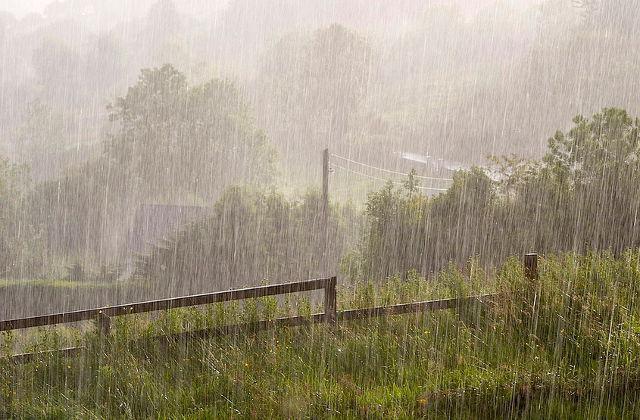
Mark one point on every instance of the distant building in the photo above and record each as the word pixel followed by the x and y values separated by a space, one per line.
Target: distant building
pixel 435 166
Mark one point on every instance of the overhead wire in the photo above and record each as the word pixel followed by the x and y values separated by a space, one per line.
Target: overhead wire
pixel 389 170
pixel 384 180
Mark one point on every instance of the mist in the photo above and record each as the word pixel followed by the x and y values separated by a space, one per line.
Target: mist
pixel 160 148
pixel 106 108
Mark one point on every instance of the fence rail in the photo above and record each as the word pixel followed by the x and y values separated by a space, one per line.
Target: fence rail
pixel 171 303
pixel 415 307
pixel 330 314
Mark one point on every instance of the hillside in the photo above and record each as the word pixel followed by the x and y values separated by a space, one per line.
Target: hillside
pixel 563 347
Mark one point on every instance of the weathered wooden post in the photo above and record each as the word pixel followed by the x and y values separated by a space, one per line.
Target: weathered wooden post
pixel 325 187
pixel 330 305
pixel 104 324
pixel 324 230
pixel 532 293
pixel 531 266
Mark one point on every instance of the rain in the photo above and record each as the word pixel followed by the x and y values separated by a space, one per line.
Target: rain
pixel 319 209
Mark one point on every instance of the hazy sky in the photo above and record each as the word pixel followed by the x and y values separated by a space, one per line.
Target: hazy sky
pixel 21 7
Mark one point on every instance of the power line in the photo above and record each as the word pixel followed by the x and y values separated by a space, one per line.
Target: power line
pixel 385 180
pixel 363 174
pixel 388 170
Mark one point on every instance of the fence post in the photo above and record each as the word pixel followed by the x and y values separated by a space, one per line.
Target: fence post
pixel 532 294
pixel 104 324
pixel 330 308
pixel 531 266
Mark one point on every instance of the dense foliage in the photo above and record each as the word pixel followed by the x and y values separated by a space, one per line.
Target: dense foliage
pixel 175 139
pixel 16 241
pixel 252 237
pixel 373 80
pixel 312 88
pixel 170 142
pixel 581 196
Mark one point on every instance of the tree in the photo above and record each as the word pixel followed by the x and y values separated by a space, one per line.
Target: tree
pixel 40 140
pixel 170 142
pixel 582 196
pixel 250 237
pixel 161 37
pixel 336 76
pixel 16 233
pixel 619 16
pixel 597 164
pixel 57 67
pixel 609 143
pixel 172 137
pixel 314 85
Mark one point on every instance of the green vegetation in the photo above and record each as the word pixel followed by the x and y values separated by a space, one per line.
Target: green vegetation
pixel 225 124
pixel 581 196
pixel 323 77
pixel 169 142
pixel 562 347
pixel 251 237
pixel 173 139
pixel 17 242
pixel 589 173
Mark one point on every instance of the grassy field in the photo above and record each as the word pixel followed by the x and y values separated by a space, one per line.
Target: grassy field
pixel 567 346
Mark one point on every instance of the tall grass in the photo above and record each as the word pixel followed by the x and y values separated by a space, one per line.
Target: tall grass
pixel 564 346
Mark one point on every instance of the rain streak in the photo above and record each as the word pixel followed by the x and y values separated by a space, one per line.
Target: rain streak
pixel 320 209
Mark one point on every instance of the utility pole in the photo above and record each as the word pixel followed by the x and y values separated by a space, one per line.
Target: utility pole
pixel 324 230
pixel 325 187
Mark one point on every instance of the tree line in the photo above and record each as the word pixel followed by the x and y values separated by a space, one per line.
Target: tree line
pixel 581 196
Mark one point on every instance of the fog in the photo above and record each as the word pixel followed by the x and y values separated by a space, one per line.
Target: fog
pixel 405 154
pixel 129 125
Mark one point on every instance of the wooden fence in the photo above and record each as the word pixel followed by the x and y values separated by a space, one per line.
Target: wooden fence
pixel 330 315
